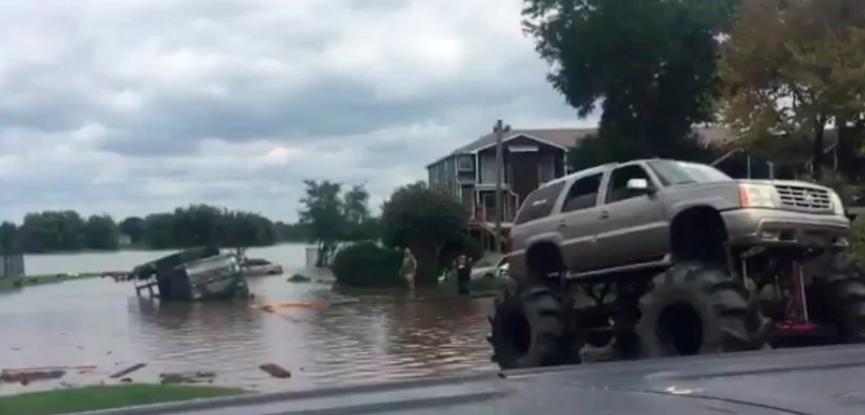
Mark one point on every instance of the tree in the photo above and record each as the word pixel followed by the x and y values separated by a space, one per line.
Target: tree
pixel 100 232
pixel 423 220
pixel 354 205
pixel 595 150
pixel 133 227
pixel 241 230
pixel 292 232
pixel 323 215
pixel 197 225
pixel 360 225
pixel 159 231
pixel 792 68
pixel 649 64
pixel 52 231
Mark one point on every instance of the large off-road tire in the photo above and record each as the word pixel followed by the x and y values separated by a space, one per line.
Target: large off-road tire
pixel 694 308
pixel 840 297
pixel 530 328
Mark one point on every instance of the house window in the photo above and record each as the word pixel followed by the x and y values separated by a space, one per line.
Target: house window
pixel 523 149
pixel 546 168
pixel 465 164
pixel 488 168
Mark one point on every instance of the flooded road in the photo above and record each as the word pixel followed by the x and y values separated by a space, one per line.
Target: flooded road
pixel 101 327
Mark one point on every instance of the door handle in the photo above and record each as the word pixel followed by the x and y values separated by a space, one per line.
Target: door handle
pixel 605 215
pixel 563 224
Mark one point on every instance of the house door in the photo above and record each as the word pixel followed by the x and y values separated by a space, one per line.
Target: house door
pixel 489 201
pixel 524 173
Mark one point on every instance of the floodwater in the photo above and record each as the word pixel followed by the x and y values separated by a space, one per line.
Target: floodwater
pixel 324 336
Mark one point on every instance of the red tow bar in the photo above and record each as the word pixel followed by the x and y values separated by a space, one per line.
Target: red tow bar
pixel 796 329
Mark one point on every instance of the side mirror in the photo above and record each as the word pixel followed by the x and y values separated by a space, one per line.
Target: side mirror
pixel 638 185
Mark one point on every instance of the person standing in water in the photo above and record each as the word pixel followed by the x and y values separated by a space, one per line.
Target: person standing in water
pixel 409 268
pixel 464 274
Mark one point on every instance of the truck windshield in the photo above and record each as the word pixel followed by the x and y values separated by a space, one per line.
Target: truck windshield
pixel 673 173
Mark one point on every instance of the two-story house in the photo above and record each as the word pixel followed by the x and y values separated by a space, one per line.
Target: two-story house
pixel 530 158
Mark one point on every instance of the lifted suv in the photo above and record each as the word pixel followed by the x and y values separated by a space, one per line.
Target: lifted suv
pixel 662 257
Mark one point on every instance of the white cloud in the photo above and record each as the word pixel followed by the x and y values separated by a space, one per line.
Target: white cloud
pixel 135 106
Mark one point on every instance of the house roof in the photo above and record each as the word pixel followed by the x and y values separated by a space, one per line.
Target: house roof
pixel 558 137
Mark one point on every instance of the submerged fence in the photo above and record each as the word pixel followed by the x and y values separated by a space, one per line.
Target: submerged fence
pixel 11 265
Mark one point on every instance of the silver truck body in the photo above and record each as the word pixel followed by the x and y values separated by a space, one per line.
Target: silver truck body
pixel 635 232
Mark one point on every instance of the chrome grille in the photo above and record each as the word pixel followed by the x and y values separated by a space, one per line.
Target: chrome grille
pixel 804 198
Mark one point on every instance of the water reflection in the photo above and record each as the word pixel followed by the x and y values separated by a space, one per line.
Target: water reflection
pixel 362 336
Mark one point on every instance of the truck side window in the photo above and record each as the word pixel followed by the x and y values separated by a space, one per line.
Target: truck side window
pixel 619 183
pixel 540 203
pixel 583 193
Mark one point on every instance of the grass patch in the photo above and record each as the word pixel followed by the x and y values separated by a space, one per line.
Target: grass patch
pixel 34 280
pixel 9 283
pixel 93 398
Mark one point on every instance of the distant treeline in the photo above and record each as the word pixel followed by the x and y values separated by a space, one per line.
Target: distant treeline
pixel 196 225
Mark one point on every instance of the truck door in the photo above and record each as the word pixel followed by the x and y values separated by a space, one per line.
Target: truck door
pixel 578 223
pixel 632 225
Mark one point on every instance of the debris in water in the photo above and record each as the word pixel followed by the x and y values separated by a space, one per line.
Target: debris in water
pixel 188 377
pixel 128 370
pixel 313 304
pixel 275 370
pixel 25 376
pixel 298 278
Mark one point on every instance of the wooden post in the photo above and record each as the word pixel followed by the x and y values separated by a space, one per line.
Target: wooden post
pixel 500 129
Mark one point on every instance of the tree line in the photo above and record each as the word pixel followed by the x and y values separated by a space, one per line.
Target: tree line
pixel 777 73
pixel 195 225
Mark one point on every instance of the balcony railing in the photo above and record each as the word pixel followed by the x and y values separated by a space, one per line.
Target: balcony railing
pixel 482 214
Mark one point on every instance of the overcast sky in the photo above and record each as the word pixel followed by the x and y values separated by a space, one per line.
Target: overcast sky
pixel 132 107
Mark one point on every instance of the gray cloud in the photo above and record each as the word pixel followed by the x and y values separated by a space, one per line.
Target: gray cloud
pixel 133 106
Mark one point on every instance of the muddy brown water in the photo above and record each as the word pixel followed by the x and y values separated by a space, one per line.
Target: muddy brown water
pixel 324 336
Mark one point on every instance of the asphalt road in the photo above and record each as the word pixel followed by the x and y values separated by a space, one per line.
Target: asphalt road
pixel 826 380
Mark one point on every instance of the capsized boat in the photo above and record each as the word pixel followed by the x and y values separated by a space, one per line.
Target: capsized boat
pixel 195 275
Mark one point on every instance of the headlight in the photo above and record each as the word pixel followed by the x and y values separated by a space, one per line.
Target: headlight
pixel 758 196
pixel 837 204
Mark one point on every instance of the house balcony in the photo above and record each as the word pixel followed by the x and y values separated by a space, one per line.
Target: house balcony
pixel 487 215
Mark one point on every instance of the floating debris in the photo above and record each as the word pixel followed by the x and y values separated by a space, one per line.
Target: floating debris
pixel 25 376
pixel 128 370
pixel 313 304
pixel 275 370
pixel 298 278
pixel 187 377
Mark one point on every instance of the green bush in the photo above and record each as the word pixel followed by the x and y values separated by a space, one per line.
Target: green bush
pixel 367 264
pixel 858 239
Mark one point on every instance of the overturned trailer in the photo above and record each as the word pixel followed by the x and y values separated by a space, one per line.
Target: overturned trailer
pixel 193 275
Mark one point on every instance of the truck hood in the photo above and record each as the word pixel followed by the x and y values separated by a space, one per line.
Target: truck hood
pixel 786 183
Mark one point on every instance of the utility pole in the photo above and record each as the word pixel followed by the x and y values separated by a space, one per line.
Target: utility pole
pixel 500 129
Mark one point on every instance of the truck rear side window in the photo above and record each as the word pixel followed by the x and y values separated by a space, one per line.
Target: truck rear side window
pixel 540 203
